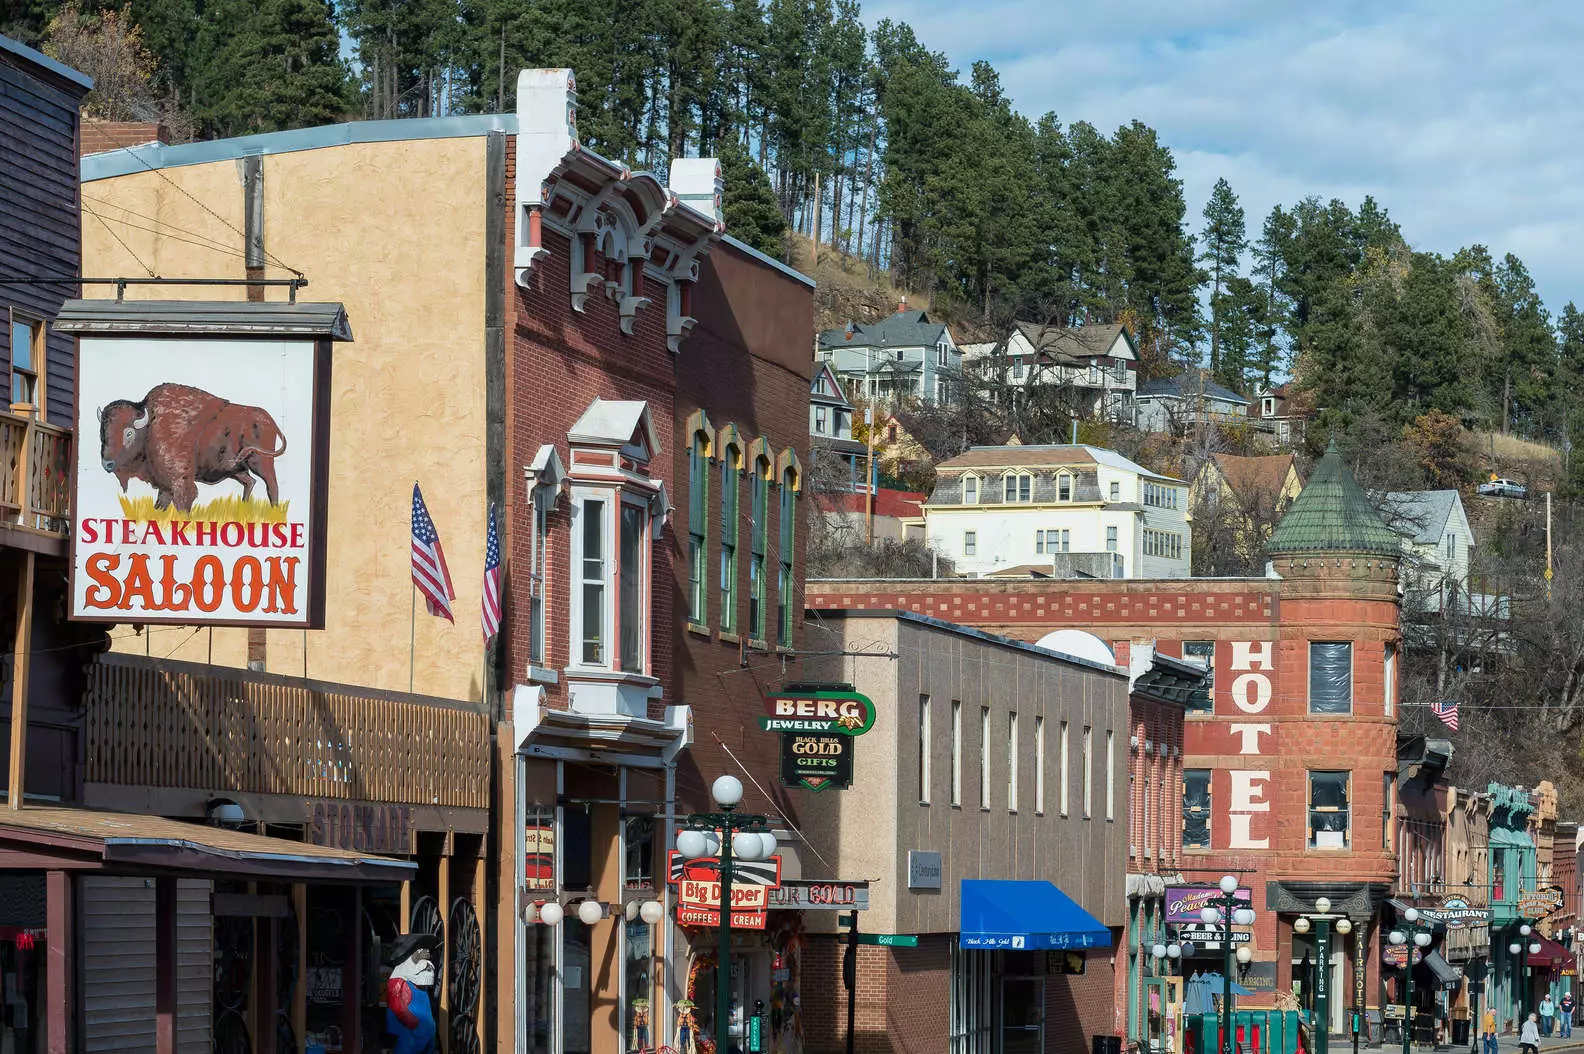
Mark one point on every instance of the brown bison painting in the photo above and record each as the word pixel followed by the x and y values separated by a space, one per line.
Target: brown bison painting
pixel 177 437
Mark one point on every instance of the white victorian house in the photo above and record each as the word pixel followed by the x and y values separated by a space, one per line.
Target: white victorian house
pixel 1437 545
pixel 902 357
pixel 831 425
pixel 1058 511
pixel 1096 365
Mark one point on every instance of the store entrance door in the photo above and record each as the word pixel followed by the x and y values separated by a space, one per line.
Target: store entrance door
pixel 1022 1016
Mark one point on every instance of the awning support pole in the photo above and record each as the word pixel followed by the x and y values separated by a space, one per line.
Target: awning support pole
pixel 22 643
pixel 165 965
pixel 59 941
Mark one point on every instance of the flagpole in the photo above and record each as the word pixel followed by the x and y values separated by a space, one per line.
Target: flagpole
pixel 412 637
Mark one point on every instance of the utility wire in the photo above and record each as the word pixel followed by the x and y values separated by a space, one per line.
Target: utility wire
pixel 164 227
pixel 121 243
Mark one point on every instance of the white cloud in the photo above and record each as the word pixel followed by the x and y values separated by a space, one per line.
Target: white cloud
pixel 1461 117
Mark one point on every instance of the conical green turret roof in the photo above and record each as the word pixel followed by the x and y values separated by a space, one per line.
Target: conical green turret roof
pixel 1332 514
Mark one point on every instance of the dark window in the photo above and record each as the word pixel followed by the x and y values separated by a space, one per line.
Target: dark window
pixel 1202 653
pixel 1331 677
pixel 577 870
pixel 1196 808
pixel 634 533
pixel 1328 810
pixel 639 836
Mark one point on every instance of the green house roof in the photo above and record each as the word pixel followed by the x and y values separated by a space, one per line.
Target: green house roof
pixel 1332 514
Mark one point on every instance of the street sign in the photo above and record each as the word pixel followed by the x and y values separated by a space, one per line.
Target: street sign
pixel 888 940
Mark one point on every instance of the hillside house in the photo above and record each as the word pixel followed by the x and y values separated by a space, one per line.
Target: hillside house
pixel 1096 366
pixel 831 426
pixel 1173 404
pixel 1438 543
pixel 1276 412
pixel 906 356
pixel 1063 511
pixel 1236 501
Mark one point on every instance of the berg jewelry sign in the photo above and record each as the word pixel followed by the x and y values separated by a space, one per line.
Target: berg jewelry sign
pixel 818 725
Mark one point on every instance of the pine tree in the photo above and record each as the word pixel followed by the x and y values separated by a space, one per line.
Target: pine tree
pixel 1224 239
pixel 279 67
pixel 752 214
pixel 1270 255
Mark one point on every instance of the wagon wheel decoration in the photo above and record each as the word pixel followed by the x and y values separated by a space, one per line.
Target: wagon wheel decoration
pixel 230 1034
pixel 233 954
pixel 464 1034
pixel 425 918
pixel 464 954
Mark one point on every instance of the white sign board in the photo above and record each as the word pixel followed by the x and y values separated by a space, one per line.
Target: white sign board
pixel 199 483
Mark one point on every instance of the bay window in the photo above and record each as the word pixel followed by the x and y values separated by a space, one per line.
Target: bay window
pixel 634 570
pixel 593 563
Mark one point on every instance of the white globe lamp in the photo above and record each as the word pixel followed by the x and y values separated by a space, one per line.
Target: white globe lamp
pixel 1173 951
pixel 551 913
pixel 1397 937
pixel 712 843
pixel 727 790
pixel 747 846
pixel 1228 884
pixel 1422 940
pixel 651 911
pixel 1323 905
pixel 1515 947
pixel 1534 949
pixel 1411 915
pixel 1159 951
pixel 692 844
pixel 1525 930
pixel 1244 955
pixel 590 911
pixel 1243 916
pixel 1300 925
pixel 1344 927
pixel 1209 915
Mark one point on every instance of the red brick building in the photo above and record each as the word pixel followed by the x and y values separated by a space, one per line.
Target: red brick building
pixel 1290 766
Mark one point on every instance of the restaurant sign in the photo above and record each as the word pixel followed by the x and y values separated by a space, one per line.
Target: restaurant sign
pixel 1455 913
pixel 1183 903
pixel 821 896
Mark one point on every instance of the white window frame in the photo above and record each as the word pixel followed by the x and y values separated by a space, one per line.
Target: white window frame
pixel 612 498
pixel 984 758
pixel 970 543
pixel 1012 488
pixel 1064 793
pixel 1113 538
pixel 1088 772
pixel 924 739
pixel 1012 761
pixel 1116 490
pixel 1110 791
pixel 956 753
pixel 970 482
pixel 1071 484
pixel 1390 663
pixel 820 416
pixel 538 586
pixel 1039 765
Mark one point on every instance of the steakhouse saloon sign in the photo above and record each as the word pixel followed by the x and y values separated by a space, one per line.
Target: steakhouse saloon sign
pixel 199 486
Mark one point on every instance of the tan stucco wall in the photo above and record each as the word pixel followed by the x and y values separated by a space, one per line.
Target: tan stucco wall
pixel 395 231
pixel 866 832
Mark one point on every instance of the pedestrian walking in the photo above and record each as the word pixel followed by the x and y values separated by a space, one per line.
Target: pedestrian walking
pixel 1488 1032
pixel 1565 1013
pixel 1529 1038
pixel 1547 1016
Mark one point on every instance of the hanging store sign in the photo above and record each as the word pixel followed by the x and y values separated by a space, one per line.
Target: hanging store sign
pixel 821 896
pixel 1396 955
pixel 200 481
pixel 699 890
pixel 1183 903
pixel 1538 903
pixel 1455 913
pixel 828 709
pixel 816 762
pixel 1207 936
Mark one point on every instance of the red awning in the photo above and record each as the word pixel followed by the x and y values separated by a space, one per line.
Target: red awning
pixel 1551 955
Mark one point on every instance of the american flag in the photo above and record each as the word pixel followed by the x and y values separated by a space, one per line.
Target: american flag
pixel 1446 710
pixel 492 580
pixel 429 572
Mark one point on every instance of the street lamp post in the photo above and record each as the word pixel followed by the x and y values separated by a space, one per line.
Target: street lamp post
pixel 699 841
pixel 1228 908
pixel 1523 947
pixel 1410 935
pixel 1322 921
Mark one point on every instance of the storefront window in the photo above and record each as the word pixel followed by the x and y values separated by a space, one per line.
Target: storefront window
pixel 576 851
pixel 538 983
pixel 640 1029
pixel 970 1022
pixel 576 988
pixel 638 839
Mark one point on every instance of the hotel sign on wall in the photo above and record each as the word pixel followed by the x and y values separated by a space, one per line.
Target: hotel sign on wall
pixel 200 481
pixel 818 725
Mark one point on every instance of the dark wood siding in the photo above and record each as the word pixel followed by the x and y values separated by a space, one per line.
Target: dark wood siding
pixel 40 230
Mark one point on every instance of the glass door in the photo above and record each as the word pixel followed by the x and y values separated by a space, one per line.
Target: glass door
pixel 1022 1015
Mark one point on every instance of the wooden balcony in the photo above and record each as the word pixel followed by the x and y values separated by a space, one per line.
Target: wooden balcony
pixel 35 483
pixel 163 724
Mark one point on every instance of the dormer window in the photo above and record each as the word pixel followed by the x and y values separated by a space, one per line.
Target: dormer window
pixel 1064 486
pixel 1270 407
pixel 1016 487
pixel 970 490
pixel 1094 372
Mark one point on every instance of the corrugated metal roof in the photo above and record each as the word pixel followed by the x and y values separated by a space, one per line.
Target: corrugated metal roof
pixel 1332 514
pixel 153 841
pixel 204 318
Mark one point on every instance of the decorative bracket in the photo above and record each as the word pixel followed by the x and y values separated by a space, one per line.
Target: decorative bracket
pixel 630 306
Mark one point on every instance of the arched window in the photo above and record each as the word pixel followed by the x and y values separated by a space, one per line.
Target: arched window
pixel 731 470
pixel 698 517
pixel 790 484
pixel 759 513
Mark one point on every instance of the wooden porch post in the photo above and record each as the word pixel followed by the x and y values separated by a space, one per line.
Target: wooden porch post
pixel 59 950
pixel 443 887
pixel 19 676
pixel 299 1007
pixel 165 965
pixel 477 863
pixel 352 978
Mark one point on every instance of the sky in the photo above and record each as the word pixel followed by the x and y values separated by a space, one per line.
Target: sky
pixel 1464 119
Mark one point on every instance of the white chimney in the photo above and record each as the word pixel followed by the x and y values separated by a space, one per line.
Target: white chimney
pixel 546 126
pixel 696 181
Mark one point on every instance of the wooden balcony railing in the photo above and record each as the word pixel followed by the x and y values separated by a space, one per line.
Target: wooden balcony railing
pixel 35 475
pixel 157 723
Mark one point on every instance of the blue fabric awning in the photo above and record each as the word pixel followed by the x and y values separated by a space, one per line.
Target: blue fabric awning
pixel 998 913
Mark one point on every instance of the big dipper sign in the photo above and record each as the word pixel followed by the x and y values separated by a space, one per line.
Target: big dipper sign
pixel 201 461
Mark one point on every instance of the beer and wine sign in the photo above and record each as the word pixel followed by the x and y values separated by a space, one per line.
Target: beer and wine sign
pixel 200 481
pixel 819 725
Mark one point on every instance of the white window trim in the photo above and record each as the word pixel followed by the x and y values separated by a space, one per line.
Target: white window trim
pixel 974 479
pixel 613 498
